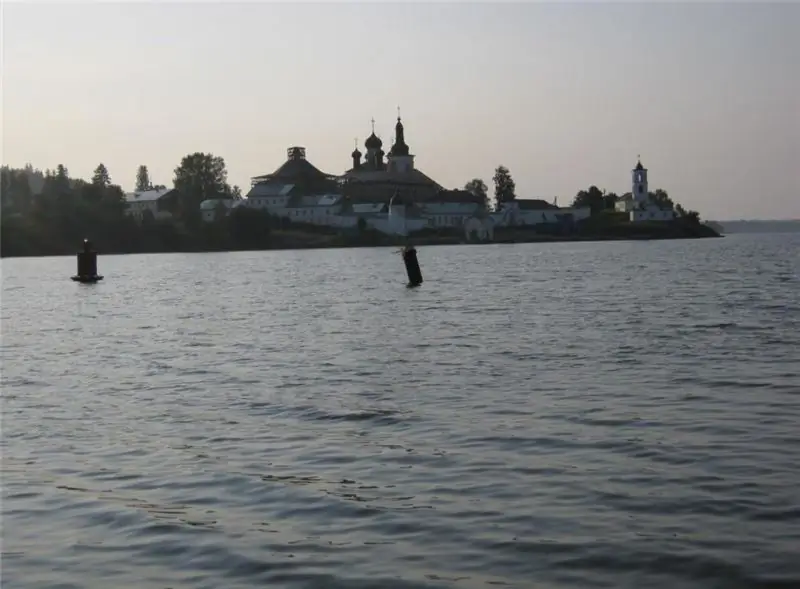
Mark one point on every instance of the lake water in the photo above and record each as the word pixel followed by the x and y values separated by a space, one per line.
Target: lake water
pixel 621 414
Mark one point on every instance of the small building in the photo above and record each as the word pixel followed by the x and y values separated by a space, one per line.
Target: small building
pixel 212 208
pixel 522 212
pixel 297 190
pixel 452 208
pixel 638 205
pixel 158 201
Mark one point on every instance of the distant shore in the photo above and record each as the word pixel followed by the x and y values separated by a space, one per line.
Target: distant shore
pixel 305 239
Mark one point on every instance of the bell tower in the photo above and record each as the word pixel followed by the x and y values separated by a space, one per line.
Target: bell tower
pixel 400 158
pixel 639 182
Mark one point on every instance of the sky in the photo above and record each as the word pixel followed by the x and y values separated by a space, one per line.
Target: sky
pixel 565 95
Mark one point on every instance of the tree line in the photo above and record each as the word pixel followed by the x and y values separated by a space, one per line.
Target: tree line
pixel 593 198
pixel 50 212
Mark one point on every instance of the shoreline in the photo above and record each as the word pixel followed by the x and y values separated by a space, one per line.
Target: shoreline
pixel 425 241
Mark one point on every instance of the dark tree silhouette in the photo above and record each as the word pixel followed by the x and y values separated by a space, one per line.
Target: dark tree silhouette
pixel 199 177
pixel 504 186
pixel 143 179
pixel 100 176
pixel 594 198
pixel 478 187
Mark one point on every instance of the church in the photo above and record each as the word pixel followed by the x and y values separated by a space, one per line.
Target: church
pixel 639 206
pixel 380 188
pixel 370 177
pixel 387 192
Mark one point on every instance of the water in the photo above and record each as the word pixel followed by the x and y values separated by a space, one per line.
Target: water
pixel 563 415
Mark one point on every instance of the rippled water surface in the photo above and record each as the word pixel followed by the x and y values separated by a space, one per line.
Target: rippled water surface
pixel 561 415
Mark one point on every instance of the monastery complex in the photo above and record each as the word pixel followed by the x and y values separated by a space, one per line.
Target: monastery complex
pixel 388 193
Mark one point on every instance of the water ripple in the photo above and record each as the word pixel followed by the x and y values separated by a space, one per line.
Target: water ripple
pixel 540 415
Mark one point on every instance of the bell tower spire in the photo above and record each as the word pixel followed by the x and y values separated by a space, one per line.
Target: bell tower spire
pixel 399 147
pixel 400 158
pixel 639 181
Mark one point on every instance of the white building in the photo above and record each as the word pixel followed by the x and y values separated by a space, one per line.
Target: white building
pixel 522 212
pixel 154 201
pixel 639 206
pixel 212 207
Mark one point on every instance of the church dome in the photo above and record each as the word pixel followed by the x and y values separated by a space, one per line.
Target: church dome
pixel 355 153
pixel 639 165
pixel 373 142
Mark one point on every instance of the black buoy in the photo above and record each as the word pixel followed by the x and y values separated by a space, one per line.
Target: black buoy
pixel 87 264
pixel 412 266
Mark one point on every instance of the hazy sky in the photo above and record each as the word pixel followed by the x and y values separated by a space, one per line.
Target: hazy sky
pixel 563 94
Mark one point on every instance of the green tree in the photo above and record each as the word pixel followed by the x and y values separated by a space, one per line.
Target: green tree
pixel 16 194
pixel 143 179
pixel 478 187
pixel 504 186
pixel 63 213
pixel 199 177
pixel 100 176
pixel 594 198
pixel 661 199
pixel 61 178
pixel 692 217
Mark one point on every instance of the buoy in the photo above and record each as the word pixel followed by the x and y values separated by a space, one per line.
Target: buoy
pixel 412 266
pixel 87 264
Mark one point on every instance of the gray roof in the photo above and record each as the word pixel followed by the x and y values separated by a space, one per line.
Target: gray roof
pixel 270 189
pixel 147 195
pixel 327 200
pixel 411 177
pixel 371 207
pixel 213 203
pixel 313 200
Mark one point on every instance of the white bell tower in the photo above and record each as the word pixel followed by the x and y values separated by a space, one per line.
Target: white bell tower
pixel 639 182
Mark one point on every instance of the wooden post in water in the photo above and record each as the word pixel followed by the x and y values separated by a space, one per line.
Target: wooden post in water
pixel 412 266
